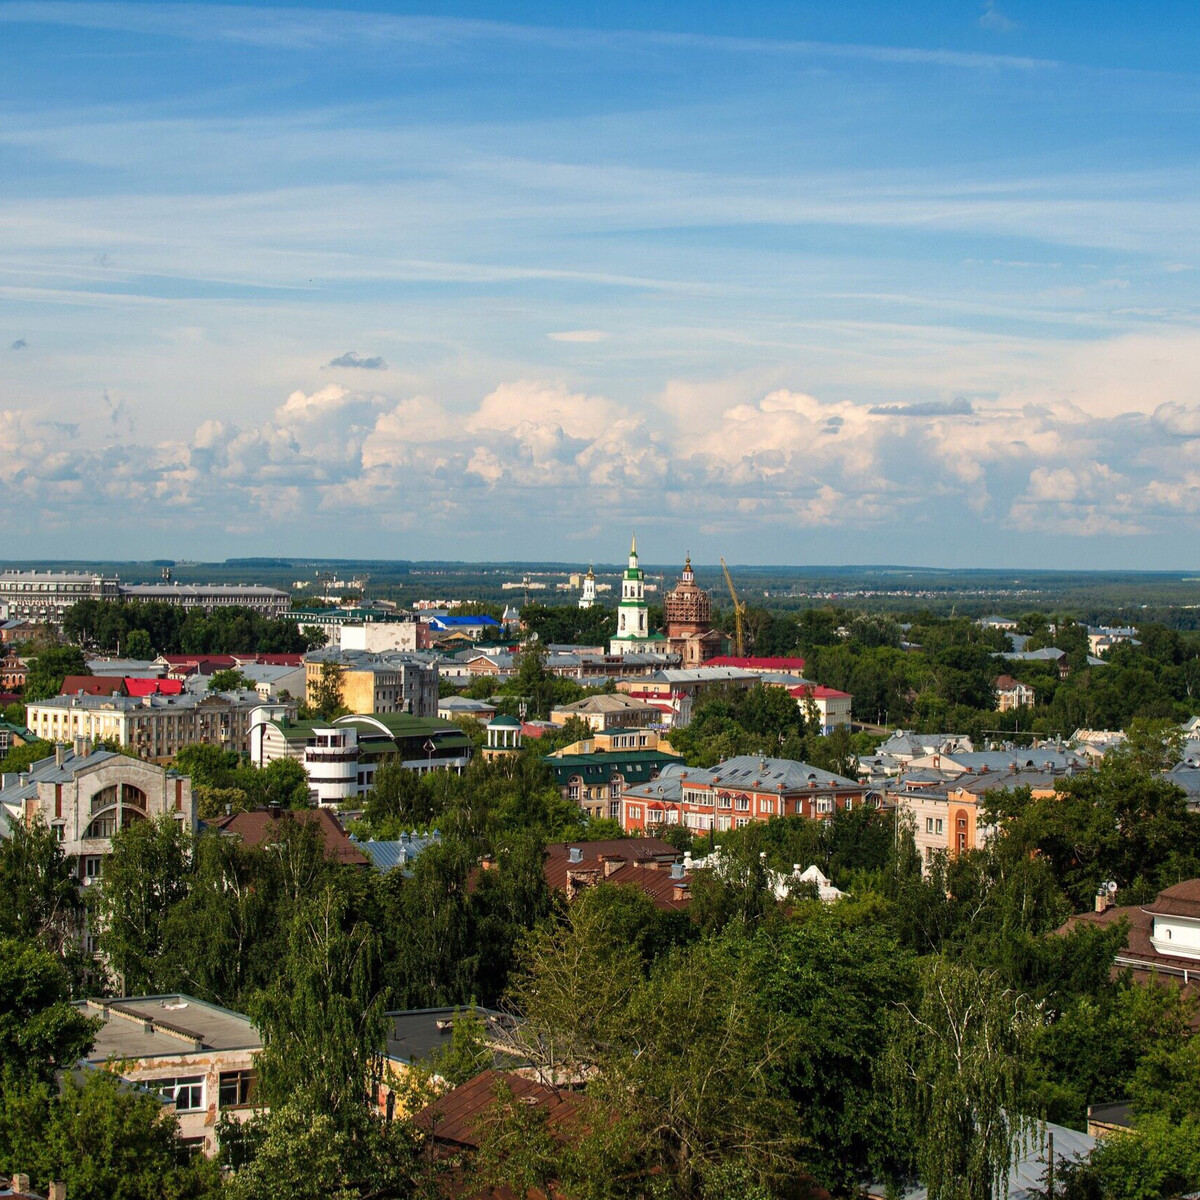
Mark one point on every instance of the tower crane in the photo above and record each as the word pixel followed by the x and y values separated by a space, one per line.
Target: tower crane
pixel 739 611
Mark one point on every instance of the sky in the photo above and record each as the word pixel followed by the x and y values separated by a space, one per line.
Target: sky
pixel 790 283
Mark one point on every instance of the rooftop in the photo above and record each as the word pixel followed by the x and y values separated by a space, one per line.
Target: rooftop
pixel 416 1034
pixel 269 824
pixel 161 1026
pixel 753 771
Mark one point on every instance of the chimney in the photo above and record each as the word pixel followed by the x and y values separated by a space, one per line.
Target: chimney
pixel 274 808
pixel 58 1190
pixel 20 1184
pixel 60 754
pixel 575 855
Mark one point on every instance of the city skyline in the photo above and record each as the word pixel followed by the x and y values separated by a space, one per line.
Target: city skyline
pixel 789 287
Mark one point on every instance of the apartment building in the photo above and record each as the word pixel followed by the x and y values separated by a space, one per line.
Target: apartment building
pixel 155 726
pixel 377 683
pixel 736 792
pixel 44 597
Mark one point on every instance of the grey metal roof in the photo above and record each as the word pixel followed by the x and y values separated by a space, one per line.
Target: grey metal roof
pixel 750 770
pixel 161 1026
pixel 387 856
pixel 416 1034
pixel 47 770
pixel 1027 1176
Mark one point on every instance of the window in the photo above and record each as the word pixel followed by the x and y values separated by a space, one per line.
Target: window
pixel 237 1088
pixel 743 804
pixel 614 790
pixel 93 866
pixel 187 1091
pixel 766 807
pixel 928 824
pixel 938 826
pixel 573 791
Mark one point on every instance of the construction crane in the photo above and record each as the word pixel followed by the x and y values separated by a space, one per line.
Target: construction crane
pixel 739 612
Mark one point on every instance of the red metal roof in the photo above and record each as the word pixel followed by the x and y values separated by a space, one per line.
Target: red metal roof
pixel 152 687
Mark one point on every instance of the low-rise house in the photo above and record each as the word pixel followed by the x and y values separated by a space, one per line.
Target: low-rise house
pixel 832 707
pixel 14 670
pixel 596 782
pixel 86 795
pixel 13 735
pixel 261 826
pixel 759 665
pixel 736 792
pixel 905 746
pixel 198 1056
pixel 1162 943
pixel 605 712
pixel 417 1036
pixel 1104 637
pixel 947 815
pixel 452 707
pixel 1186 776
pixel 674 692
pixel 647 863
pixel 1012 693
pixel 617 739
pixel 398 855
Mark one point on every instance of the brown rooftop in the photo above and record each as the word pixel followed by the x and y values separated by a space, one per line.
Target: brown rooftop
pixel 459 1117
pixel 268 824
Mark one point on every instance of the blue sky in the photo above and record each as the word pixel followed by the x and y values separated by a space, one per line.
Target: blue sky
pixel 796 282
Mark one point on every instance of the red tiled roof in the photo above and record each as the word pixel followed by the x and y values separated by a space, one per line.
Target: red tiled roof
pixel 456 1116
pixel 1005 683
pixel 264 825
pixel 750 663
pixel 91 685
pixel 558 854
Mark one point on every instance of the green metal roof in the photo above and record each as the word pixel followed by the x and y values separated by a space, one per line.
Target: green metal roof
pixel 637 766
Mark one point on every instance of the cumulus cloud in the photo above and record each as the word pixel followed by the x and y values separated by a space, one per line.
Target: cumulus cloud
pixel 960 406
pixel 722 457
pixel 353 359
pixel 578 335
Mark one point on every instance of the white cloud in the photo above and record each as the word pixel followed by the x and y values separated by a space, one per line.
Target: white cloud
pixel 578 335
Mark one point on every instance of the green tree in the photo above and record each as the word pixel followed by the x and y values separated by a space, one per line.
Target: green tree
pixel 327 694
pixel 108 1141
pixel 40 899
pixel 138 645
pixel 40 1031
pixel 144 877
pixel 230 680
pixel 321 1018
pixel 48 670
pixel 955 1063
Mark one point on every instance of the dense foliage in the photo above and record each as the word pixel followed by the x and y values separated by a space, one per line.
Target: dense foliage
pixel 159 628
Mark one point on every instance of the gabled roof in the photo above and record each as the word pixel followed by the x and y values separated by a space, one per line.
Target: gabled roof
pixel 91 685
